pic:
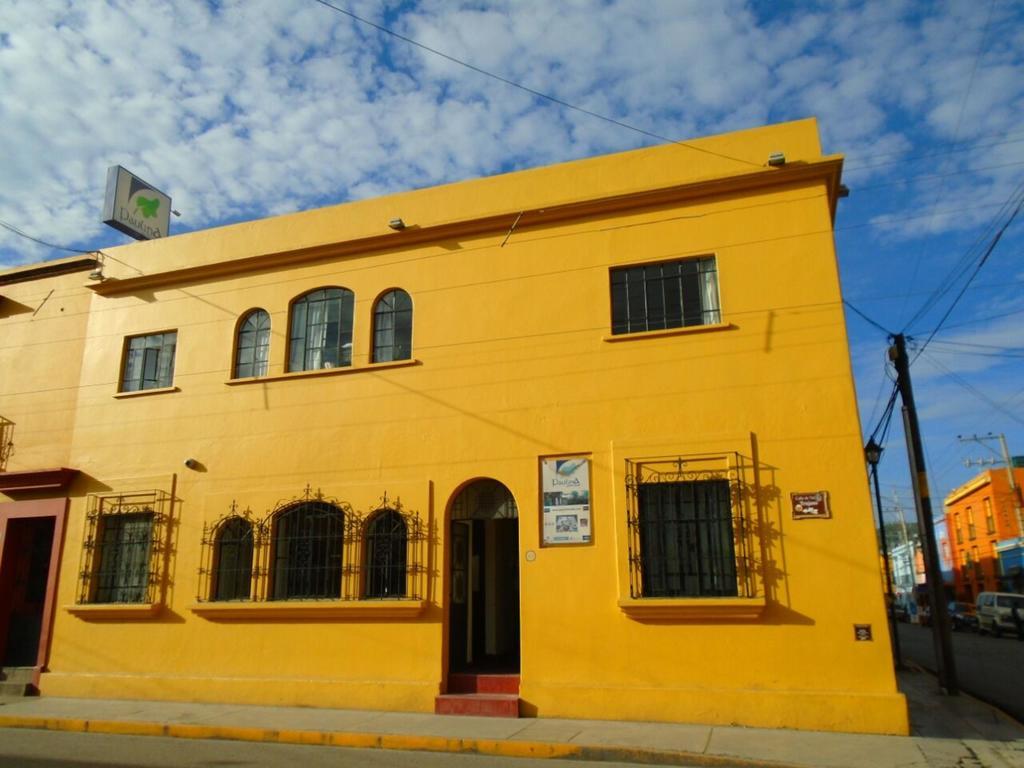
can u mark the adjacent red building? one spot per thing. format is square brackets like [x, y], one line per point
[983, 518]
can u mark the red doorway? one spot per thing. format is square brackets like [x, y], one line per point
[32, 533]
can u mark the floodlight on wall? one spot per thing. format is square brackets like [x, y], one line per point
[97, 273]
[191, 463]
[776, 159]
[396, 224]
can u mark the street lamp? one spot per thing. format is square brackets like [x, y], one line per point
[873, 454]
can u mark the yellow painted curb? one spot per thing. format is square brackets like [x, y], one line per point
[493, 747]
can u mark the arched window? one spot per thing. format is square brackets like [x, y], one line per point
[253, 345]
[307, 545]
[321, 330]
[392, 327]
[387, 540]
[232, 574]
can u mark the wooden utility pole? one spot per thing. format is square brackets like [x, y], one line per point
[946, 665]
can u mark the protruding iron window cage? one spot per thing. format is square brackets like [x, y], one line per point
[313, 547]
[308, 542]
[688, 533]
[392, 558]
[392, 327]
[252, 348]
[124, 547]
[232, 555]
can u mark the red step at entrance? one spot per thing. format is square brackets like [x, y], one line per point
[480, 695]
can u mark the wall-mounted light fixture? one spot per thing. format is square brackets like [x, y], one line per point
[191, 463]
[396, 224]
[776, 159]
[97, 273]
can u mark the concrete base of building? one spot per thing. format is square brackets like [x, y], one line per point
[839, 710]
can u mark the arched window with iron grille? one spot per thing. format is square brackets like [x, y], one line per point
[387, 540]
[232, 575]
[392, 327]
[306, 563]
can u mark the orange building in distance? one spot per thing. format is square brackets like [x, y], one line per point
[984, 521]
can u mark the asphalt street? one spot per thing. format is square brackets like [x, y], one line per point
[988, 668]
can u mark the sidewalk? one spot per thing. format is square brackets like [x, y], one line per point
[957, 732]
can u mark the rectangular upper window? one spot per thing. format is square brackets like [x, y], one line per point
[149, 361]
[668, 294]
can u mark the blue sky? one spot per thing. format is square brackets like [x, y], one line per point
[241, 110]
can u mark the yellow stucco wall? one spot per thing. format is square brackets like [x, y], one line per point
[513, 362]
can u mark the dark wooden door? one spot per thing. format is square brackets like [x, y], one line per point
[26, 567]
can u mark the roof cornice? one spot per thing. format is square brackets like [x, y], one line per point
[827, 169]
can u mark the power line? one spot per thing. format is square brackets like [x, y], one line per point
[985, 318]
[973, 345]
[957, 147]
[981, 262]
[527, 89]
[883, 329]
[956, 135]
[958, 172]
[963, 264]
[974, 390]
[19, 233]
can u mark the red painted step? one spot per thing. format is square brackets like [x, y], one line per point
[481, 695]
[479, 704]
[474, 683]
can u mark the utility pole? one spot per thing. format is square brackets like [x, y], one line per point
[922, 501]
[908, 550]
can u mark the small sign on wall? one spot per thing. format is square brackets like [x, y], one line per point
[811, 506]
[565, 499]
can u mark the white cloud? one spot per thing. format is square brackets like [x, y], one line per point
[251, 108]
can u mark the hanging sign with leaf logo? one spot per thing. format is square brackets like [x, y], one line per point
[135, 207]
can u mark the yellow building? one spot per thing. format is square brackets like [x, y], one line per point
[583, 436]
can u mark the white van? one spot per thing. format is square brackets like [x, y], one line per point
[995, 612]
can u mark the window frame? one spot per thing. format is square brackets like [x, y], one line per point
[155, 357]
[269, 598]
[390, 579]
[261, 336]
[299, 313]
[321, 577]
[640, 303]
[104, 513]
[732, 578]
[243, 575]
[397, 349]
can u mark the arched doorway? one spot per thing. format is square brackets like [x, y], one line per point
[484, 578]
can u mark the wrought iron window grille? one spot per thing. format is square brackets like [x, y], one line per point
[664, 295]
[6, 442]
[688, 532]
[314, 547]
[124, 548]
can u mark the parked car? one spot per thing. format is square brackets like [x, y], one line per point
[962, 616]
[995, 612]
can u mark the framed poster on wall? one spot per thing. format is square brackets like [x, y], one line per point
[565, 500]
